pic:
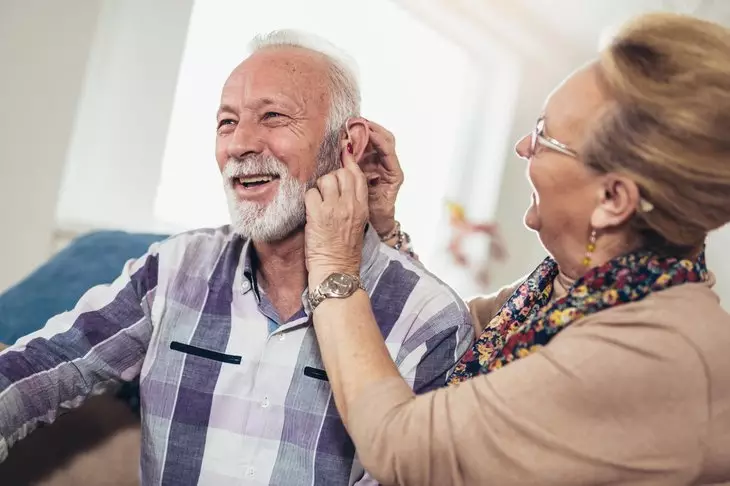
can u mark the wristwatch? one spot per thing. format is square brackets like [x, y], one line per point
[336, 286]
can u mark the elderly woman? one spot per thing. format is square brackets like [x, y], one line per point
[609, 364]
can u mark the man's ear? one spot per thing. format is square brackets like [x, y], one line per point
[618, 200]
[357, 132]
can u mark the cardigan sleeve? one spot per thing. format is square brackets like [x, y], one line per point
[603, 403]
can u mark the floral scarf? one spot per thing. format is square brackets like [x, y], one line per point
[528, 320]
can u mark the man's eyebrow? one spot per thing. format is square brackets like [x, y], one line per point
[267, 101]
[257, 105]
[226, 108]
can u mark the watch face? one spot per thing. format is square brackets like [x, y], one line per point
[340, 285]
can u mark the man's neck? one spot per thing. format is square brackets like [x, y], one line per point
[281, 264]
[282, 272]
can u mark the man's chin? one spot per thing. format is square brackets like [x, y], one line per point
[262, 231]
[279, 237]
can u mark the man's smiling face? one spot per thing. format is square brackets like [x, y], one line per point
[272, 124]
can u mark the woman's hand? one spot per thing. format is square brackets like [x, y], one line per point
[384, 176]
[337, 212]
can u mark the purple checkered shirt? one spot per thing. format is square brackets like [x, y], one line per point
[230, 393]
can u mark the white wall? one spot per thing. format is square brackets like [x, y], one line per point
[44, 46]
[118, 141]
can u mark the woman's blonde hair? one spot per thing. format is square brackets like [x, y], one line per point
[668, 77]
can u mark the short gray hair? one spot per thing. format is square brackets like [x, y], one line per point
[344, 87]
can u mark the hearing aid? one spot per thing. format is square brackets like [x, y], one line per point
[348, 137]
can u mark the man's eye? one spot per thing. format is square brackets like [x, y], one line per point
[225, 122]
[272, 114]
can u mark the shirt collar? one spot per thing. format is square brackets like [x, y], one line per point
[371, 242]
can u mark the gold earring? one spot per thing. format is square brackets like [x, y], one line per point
[590, 248]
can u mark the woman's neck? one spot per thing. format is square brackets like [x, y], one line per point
[561, 285]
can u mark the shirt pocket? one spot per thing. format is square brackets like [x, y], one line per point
[205, 353]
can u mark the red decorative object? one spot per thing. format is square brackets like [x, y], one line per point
[462, 227]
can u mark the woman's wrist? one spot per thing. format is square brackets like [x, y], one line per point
[392, 241]
[319, 273]
[399, 240]
[384, 227]
[358, 300]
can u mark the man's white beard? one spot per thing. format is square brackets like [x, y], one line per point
[286, 213]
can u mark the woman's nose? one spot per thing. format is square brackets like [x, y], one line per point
[523, 147]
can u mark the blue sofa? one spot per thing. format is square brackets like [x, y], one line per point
[55, 287]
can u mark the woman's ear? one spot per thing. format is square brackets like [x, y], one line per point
[357, 133]
[618, 200]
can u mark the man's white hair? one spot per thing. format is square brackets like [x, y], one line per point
[344, 86]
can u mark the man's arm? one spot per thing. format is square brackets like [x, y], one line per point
[441, 333]
[78, 354]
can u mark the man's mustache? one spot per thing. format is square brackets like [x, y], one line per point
[254, 165]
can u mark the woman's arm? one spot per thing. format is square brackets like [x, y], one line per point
[593, 407]
[352, 346]
[589, 408]
[349, 338]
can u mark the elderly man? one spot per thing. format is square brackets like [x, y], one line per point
[216, 323]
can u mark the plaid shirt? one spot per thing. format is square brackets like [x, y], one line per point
[230, 393]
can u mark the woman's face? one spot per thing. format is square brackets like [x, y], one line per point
[565, 191]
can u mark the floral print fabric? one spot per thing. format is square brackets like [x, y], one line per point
[528, 320]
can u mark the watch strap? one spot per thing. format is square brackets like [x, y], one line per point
[316, 296]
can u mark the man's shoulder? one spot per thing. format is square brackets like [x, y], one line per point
[418, 312]
[402, 276]
[202, 245]
[208, 237]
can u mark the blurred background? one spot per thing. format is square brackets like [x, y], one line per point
[107, 113]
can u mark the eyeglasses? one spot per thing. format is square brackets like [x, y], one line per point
[538, 137]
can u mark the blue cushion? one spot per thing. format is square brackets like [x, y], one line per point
[55, 287]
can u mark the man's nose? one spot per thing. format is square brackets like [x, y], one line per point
[523, 147]
[245, 140]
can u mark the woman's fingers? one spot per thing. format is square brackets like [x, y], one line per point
[346, 182]
[356, 180]
[312, 199]
[384, 143]
[328, 187]
[382, 132]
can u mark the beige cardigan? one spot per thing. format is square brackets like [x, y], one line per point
[634, 395]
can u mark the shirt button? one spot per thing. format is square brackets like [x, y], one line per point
[245, 286]
[282, 336]
[265, 402]
[250, 472]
